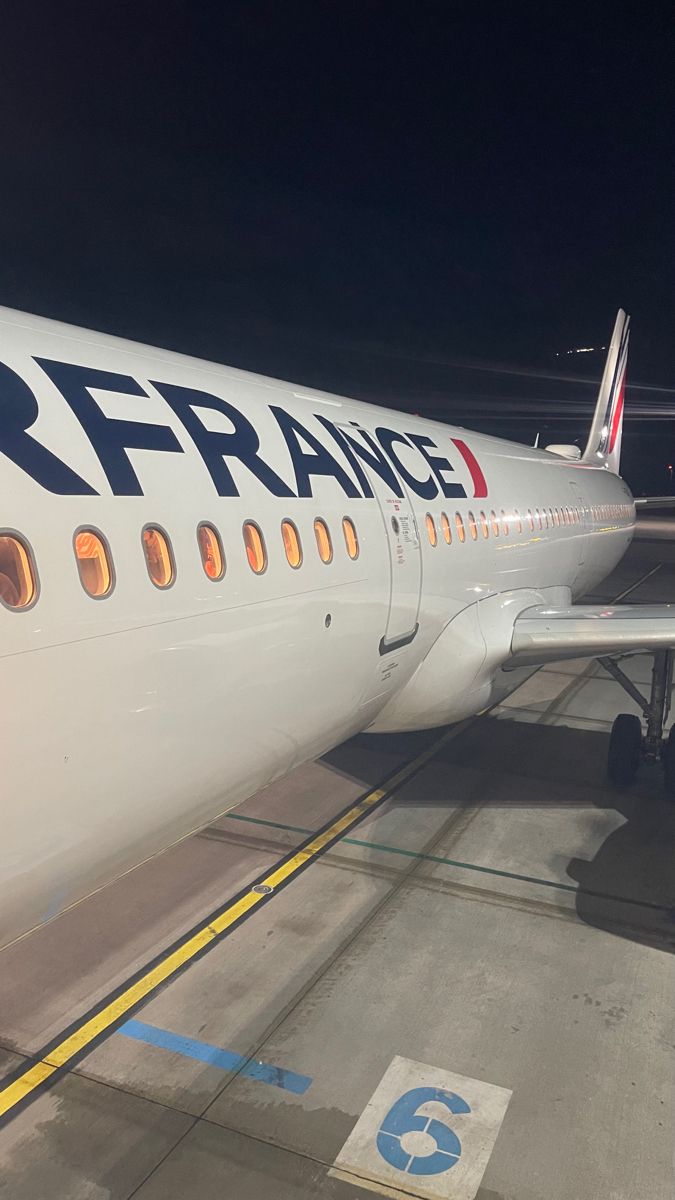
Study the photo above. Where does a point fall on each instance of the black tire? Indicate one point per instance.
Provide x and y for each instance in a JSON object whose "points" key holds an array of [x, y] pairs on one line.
{"points": [[668, 758], [625, 744]]}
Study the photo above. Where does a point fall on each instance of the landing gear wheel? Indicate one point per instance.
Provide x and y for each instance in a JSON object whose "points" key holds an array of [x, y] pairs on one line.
{"points": [[668, 758], [623, 757]]}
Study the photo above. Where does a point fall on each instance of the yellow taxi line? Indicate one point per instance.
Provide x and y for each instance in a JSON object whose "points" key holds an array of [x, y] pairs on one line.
{"points": [[26, 1085]]}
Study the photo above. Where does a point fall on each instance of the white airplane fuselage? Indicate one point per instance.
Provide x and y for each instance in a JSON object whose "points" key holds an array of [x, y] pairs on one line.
{"points": [[132, 719]]}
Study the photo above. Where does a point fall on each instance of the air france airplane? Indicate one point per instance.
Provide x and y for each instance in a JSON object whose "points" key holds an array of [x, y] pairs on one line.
{"points": [[208, 577]]}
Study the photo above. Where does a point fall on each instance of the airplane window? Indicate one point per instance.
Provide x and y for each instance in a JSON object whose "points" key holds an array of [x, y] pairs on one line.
{"points": [[555, 517], [323, 542], [292, 545], [351, 540], [93, 562], [211, 550], [494, 523], [460, 527], [18, 587], [484, 525], [519, 523], [530, 520], [445, 526], [538, 516], [505, 524], [431, 529], [254, 544], [158, 556], [473, 528]]}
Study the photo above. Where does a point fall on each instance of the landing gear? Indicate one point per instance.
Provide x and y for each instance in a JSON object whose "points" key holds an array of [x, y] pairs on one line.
{"points": [[625, 750], [627, 746], [668, 759]]}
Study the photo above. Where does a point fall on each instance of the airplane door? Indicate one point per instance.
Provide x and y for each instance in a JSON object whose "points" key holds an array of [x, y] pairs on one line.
{"points": [[405, 561]]}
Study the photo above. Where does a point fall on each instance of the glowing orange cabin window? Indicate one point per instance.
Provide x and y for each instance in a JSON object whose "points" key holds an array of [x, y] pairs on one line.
{"points": [[292, 546], [158, 556], [351, 540], [484, 525], [254, 544], [494, 523], [459, 526], [445, 526], [519, 523], [93, 562], [431, 529], [17, 576], [473, 528], [530, 520], [211, 550], [505, 523], [323, 542]]}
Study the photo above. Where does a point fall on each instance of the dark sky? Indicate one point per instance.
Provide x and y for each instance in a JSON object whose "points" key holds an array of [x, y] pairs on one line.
{"points": [[364, 197]]}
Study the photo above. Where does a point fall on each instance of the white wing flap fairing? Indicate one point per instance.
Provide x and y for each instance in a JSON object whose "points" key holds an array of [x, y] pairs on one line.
{"points": [[544, 634]]}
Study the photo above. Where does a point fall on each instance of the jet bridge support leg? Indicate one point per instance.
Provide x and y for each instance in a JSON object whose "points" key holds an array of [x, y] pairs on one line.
{"points": [[627, 744]]}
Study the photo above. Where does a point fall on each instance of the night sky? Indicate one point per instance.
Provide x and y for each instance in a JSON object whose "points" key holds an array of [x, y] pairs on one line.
{"points": [[422, 205]]}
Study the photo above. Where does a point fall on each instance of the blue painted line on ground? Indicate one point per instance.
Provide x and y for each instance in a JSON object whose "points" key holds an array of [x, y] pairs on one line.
{"points": [[227, 1060]]}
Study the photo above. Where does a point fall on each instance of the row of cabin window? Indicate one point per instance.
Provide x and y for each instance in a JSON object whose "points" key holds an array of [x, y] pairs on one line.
{"points": [[18, 576], [544, 518]]}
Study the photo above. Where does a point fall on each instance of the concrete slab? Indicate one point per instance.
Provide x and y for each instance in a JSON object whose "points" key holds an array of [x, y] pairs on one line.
{"points": [[319, 788], [82, 1141], [237, 993], [479, 989], [218, 1164], [60, 970], [591, 702], [8, 1061]]}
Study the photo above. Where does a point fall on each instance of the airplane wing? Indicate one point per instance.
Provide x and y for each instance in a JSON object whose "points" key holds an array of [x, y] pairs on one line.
{"points": [[642, 502], [543, 634]]}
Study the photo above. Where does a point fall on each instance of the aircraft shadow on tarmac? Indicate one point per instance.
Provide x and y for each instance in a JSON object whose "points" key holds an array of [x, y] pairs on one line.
{"points": [[627, 887]]}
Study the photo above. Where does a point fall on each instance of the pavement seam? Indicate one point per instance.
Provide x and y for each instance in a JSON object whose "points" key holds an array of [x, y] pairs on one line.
{"points": [[401, 879]]}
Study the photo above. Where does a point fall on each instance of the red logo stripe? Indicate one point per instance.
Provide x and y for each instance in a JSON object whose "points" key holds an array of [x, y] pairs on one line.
{"points": [[477, 477], [616, 418]]}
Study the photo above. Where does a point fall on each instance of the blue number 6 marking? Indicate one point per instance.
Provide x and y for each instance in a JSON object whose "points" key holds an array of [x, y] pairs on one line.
{"points": [[403, 1118]]}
